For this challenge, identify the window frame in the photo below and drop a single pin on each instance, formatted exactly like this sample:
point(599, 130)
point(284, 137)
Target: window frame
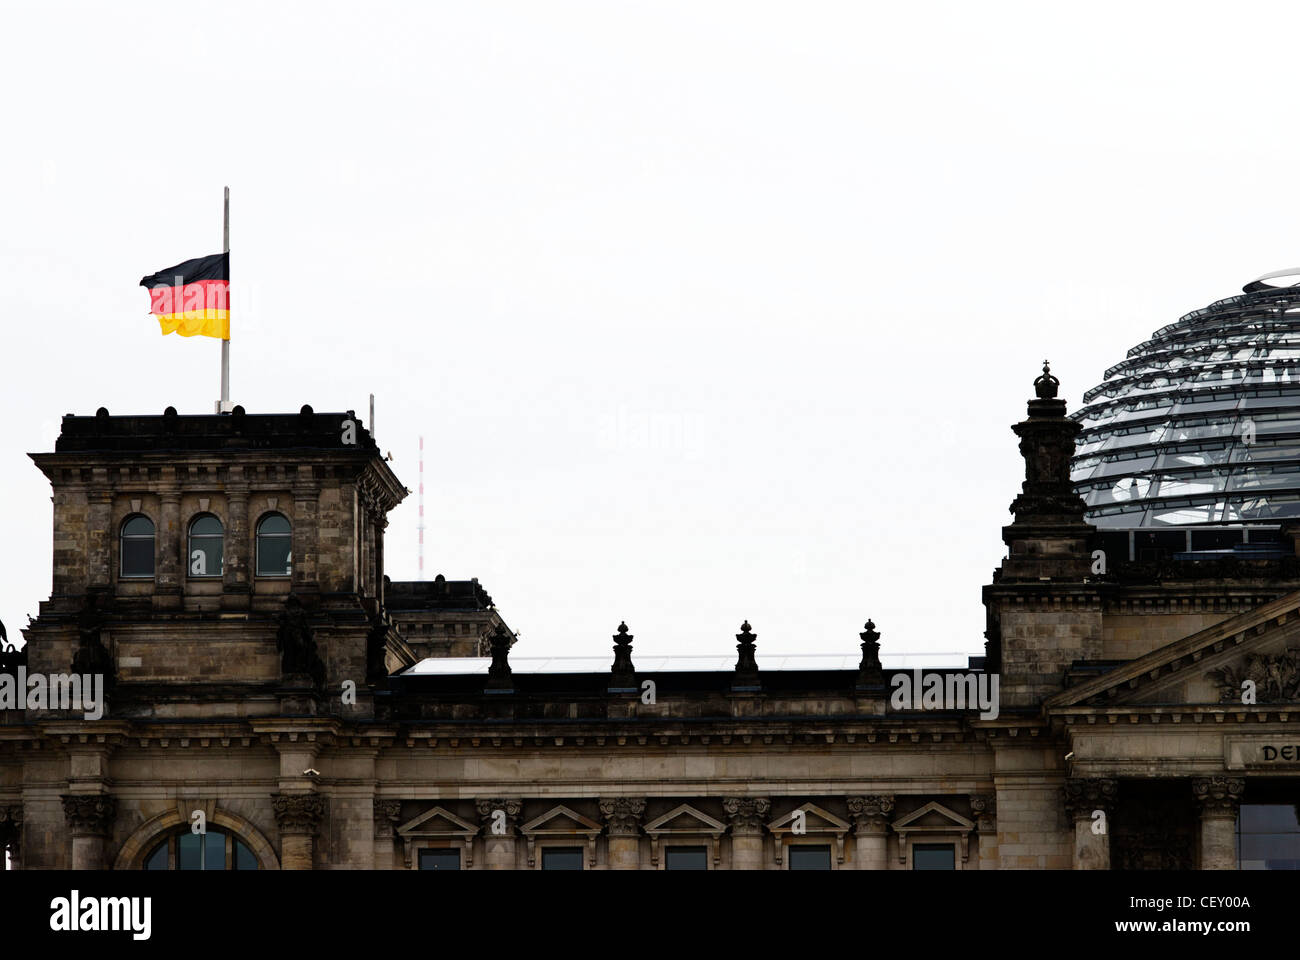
point(257, 545)
point(123, 536)
point(172, 842)
point(189, 545)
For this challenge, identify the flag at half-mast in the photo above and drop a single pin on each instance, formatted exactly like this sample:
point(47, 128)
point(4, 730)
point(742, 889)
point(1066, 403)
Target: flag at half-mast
point(193, 298)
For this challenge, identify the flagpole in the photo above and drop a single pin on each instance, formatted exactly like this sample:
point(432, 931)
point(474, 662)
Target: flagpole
point(224, 405)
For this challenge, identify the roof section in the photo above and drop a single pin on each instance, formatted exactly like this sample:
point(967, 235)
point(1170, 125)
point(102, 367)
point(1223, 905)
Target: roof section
point(444, 666)
point(236, 430)
point(437, 594)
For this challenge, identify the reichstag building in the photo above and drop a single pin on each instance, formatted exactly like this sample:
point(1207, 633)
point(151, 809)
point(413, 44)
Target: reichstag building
point(224, 678)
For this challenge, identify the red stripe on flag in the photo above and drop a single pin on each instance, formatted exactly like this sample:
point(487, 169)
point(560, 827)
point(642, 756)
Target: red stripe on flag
point(200, 295)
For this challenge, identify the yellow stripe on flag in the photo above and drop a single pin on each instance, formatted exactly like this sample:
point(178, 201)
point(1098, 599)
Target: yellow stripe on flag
point(197, 323)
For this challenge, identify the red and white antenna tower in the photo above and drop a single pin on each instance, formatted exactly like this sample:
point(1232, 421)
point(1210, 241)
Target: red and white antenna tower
point(421, 526)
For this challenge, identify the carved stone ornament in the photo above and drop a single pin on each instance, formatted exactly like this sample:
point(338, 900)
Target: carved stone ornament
point(499, 672)
point(746, 665)
point(90, 815)
point(298, 813)
point(870, 670)
point(985, 810)
point(871, 814)
point(387, 813)
point(623, 814)
point(487, 811)
point(297, 647)
point(1218, 796)
point(1084, 795)
point(623, 671)
point(1276, 677)
point(92, 657)
point(747, 814)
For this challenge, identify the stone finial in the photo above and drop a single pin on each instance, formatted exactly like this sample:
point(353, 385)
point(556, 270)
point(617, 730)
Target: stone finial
point(623, 671)
point(746, 665)
point(869, 670)
point(1046, 385)
point(499, 673)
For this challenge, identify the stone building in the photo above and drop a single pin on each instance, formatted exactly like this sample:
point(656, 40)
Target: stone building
point(225, 574)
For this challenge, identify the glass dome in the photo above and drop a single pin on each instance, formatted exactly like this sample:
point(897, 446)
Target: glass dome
point(1200, 423)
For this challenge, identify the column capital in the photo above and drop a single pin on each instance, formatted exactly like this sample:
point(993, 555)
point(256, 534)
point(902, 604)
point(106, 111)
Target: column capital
point(487, 813)
point(89, 815)
point(985, 809)
point(870, 814)
point(1218, 796)
point(387, 813)
point(747, 815)
point(1083, 795)
point(623, 814)
point(298, 813)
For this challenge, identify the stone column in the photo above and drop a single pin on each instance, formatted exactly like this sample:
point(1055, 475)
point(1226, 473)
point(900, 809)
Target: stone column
point(623, 814)
point(306, 532)
point(99, 539)
point(90, 821)
point(1219, 798)
point(168, 544)
point(985, 809)
point(387, 813)
point(11, 834)
point(1084, 798)
point(499, 815)
point(747, 815)
point(870, 817)
point(237, 562)
point(299, 818)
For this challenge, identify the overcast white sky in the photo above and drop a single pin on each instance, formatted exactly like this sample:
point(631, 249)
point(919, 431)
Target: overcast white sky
point(706, 310)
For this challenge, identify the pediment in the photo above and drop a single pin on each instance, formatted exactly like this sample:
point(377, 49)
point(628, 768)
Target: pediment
point(436, 822)
point(934, 817)
point(560, 820)
point(685, 819)
point(816, 820)
point(1207, 667)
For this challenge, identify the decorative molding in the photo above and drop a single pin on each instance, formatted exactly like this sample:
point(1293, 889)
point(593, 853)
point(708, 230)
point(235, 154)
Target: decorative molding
point(386, 814)
point(685, 822)
point(298, 813)
point(90, 815)
point(985, 810)
point(1276, 677)
point(951, 824)
point(1083, 795)
point(537, 829)
point(623, 815)
point(870, 814)
point(487, 811)
point(747, 815)
point(1218, 796)
point(782, 829)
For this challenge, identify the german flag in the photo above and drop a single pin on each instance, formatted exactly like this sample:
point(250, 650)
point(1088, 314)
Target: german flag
point(192, 298)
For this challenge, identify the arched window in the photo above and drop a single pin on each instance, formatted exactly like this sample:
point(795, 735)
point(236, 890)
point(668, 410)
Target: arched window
point(274, 546)
point(214, 850)
point(206, 542)
point(137, 547)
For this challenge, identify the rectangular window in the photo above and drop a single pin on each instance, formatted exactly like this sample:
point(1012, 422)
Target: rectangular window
point(803, 857)
point(934, 856)
point(1268, 837)
point(440, 858)
point(562, 858)
point(686, 858)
